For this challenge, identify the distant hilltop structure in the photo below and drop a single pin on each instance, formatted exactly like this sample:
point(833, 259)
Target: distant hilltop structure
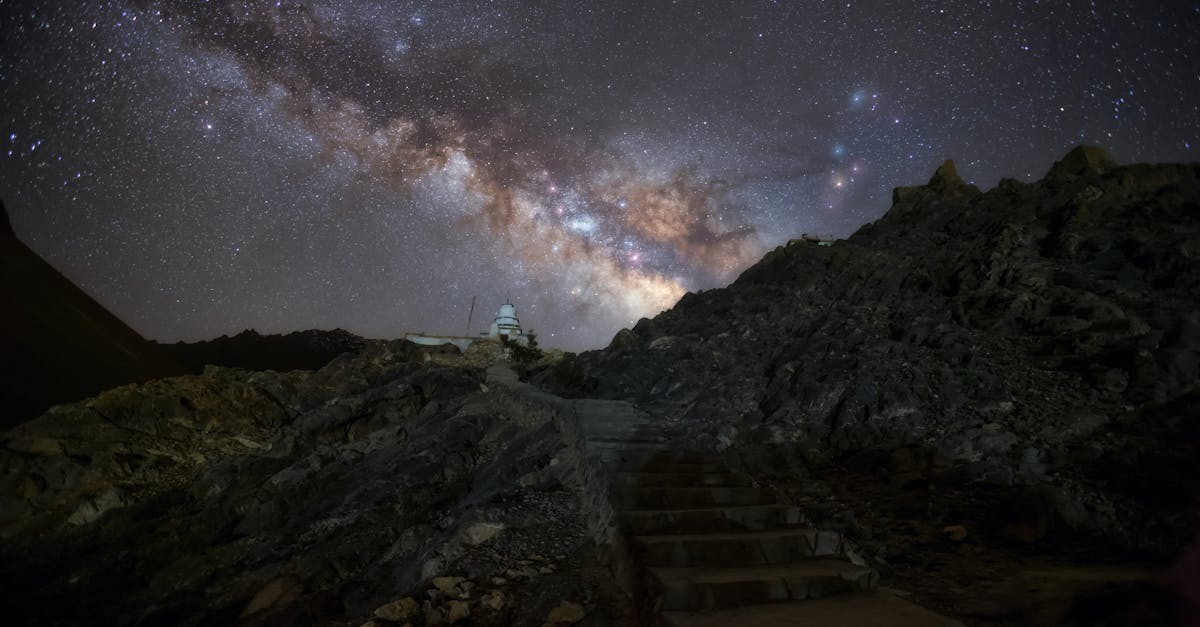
point(506, 323)
point(505, 326)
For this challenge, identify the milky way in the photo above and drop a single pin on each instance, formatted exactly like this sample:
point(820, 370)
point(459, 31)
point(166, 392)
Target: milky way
point(203, 167)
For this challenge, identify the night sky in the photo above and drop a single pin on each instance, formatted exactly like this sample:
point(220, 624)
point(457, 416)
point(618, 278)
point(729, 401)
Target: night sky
point(204, 167)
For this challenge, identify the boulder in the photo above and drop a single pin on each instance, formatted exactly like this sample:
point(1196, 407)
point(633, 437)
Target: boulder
point(625, 340)
point(400, 611)
point(567, 612)
point(1082, 160)
point(945, 177)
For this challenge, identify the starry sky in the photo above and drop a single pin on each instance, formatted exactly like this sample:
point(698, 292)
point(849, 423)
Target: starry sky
point(205, 167)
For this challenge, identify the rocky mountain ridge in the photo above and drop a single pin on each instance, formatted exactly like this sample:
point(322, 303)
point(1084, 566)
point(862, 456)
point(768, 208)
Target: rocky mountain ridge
point(1040, 334)
point(251, 350)
point(1015, 367)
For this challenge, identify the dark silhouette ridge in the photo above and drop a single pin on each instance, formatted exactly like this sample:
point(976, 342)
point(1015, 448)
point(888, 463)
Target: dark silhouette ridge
point(298, 350)
point(59, 344)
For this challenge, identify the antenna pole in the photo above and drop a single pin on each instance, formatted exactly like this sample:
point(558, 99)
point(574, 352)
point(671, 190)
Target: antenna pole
point(470, 315)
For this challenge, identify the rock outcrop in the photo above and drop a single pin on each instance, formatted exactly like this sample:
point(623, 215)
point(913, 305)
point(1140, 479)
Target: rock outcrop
point(1040, 335)
point(292, 498)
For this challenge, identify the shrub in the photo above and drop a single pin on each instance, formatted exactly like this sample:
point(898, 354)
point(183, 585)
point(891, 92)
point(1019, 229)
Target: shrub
point(523, 353)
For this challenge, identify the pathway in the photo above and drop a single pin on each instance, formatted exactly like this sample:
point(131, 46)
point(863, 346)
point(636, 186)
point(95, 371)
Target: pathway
point(711, 549)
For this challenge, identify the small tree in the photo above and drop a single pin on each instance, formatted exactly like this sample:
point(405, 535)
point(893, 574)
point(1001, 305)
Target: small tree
point(523, 353)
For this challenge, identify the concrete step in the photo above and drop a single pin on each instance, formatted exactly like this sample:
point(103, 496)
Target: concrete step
point(681, 479)
point(626, 459)
point(689, 498)
point(628, 436)
point(635, 463)
point(618, 438)
point(619, 427)
point(709, 520)
point(780, 546)
point(622, 456)
point(876, 609)
point(635, 451)
point(666, 461)
point(665, 455)
point(630, 442)
point(708, 588)
point(639, 441)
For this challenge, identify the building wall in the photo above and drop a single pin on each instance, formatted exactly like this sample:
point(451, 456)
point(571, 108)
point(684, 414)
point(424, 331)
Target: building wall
point(437, 340)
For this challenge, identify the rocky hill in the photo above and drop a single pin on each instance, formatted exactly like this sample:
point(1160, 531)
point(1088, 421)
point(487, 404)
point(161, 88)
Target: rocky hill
point(302, 498)
point(976, 384)
point(59, 344)
point(1039, 339)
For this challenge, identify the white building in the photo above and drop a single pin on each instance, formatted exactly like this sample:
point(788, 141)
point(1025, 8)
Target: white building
point(506, 324)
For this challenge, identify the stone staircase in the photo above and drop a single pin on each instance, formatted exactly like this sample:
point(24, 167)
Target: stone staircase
point(709, 540)
point(709, 548)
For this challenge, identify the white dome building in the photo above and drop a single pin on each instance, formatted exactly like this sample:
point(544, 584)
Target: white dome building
point(506, 323)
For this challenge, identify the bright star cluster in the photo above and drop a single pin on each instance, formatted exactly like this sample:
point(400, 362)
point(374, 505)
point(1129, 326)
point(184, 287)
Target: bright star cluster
point(203, 167)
